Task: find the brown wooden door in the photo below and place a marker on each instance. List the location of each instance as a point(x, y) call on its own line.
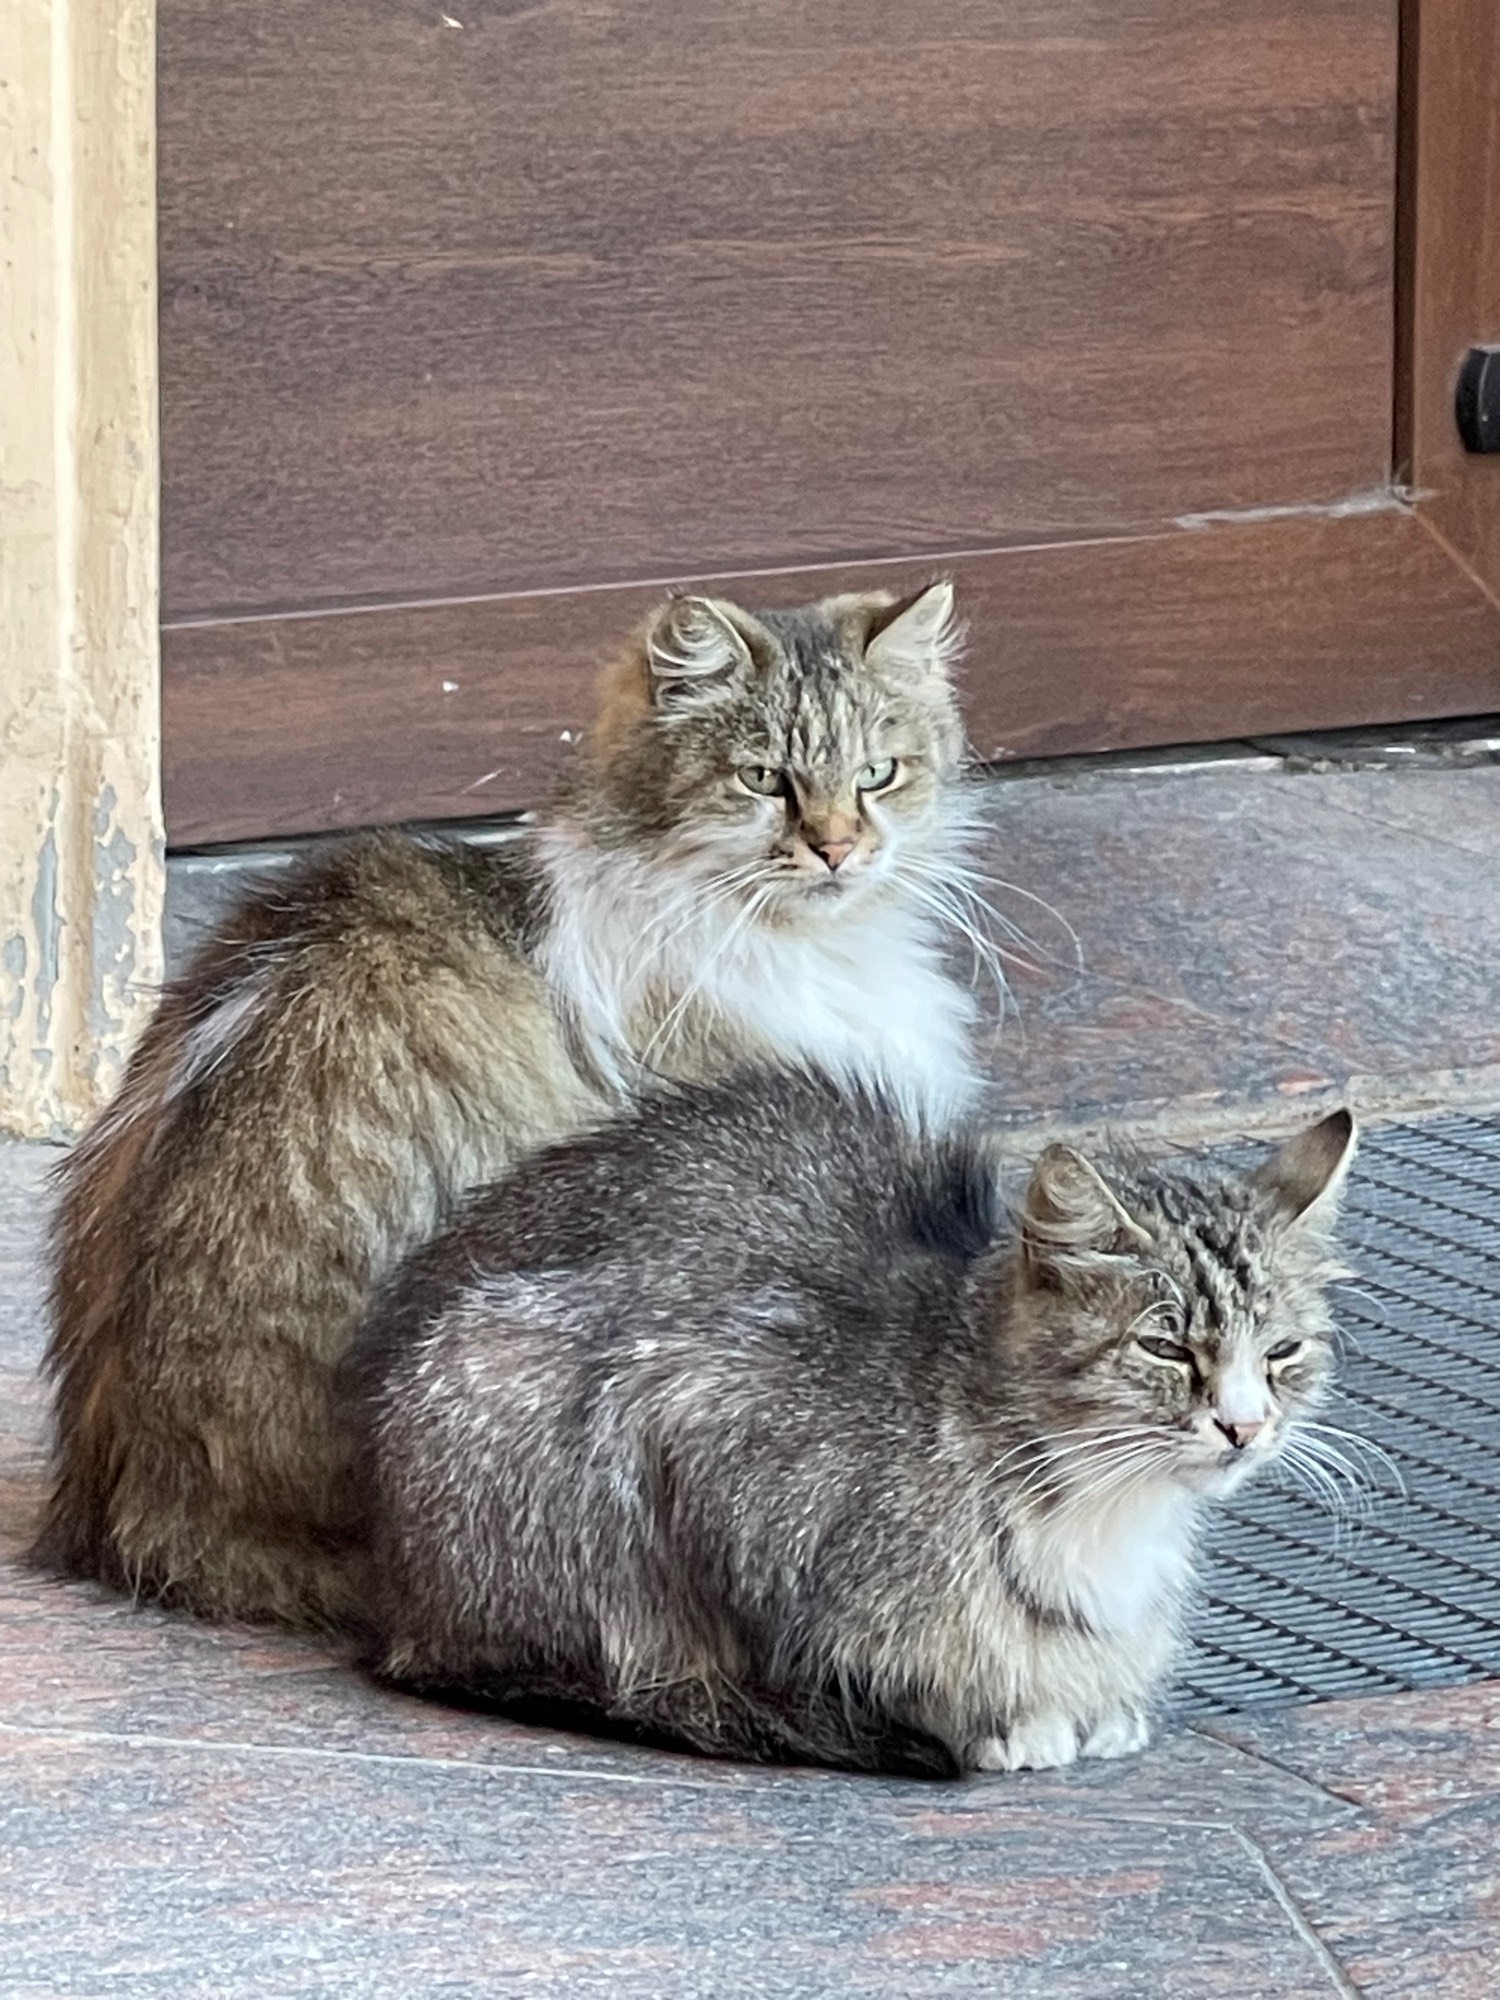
point(1452, 206)
point(482, 320)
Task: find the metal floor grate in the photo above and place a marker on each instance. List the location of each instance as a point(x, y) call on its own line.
point(1408, 1596)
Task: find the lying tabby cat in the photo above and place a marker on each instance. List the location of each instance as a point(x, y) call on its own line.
point(750, 864)
point(753, 1426)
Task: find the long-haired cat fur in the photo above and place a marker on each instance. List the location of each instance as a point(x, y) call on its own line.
point(749, 863)
point(755, 1425)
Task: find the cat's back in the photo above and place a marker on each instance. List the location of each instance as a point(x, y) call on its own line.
point(353, 1013)
point(740, 1305)
point(376, 943)
point(366, 908)
point(704, 1200)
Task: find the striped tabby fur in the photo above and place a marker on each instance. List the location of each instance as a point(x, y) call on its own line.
point(752, 1424)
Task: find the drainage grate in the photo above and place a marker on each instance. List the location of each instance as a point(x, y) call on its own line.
point(1409, 1595)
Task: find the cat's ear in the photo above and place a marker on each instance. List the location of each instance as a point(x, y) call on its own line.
point(1304, 1178)
point(918, 638)
point(693, 647)
point(1072, 1217)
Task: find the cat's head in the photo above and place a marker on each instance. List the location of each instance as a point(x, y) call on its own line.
point(787, 758)
point(1181, 1320)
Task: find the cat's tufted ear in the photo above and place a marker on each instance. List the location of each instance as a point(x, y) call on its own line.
point(1304, 1178)
point(693, 647)
point(917, 638)
point(1072, 1217)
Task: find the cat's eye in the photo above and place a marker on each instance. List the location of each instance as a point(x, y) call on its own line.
point(763, 779)
point(1284, 1350)
point(1164, 1350)
point(876, 777)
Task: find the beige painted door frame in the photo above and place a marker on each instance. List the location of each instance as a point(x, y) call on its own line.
point(81, 865)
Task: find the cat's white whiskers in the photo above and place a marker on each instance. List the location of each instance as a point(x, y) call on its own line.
point(1344, 1500)
point(1371, 1299)
point(1152, 1312)
point(1314, 1476)
point(1315, 1431)
point(694, 986)
point(1090, 1434)
point(1056, 1473)
point(1347, 1502)
point(1013, 889)
point(1321, 1453)
point(714, 893)
point(700, 896)
point(965, 875)
point(948, 884)
point(1178, 1296)
point(1352, 1487)
point(951, 879)
point(1117, 1472)
point(987, 955)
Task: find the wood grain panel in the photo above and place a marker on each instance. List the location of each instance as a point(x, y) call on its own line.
point(1455, 300)
point(497, 295)
point(441, 711)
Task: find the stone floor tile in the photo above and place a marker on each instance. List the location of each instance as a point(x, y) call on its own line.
point(227, 1873)
point(73, 1658)
point(1388, 1752)
point(1244, 936)
point(1426, 804)
point(1407, 1899)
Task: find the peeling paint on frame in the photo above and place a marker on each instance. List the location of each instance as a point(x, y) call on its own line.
point(81, 851)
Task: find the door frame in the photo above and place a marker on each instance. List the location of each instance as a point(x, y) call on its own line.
point(81, 846)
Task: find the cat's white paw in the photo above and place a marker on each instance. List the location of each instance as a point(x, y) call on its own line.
point(1040, 1743)
point(1121, 1735)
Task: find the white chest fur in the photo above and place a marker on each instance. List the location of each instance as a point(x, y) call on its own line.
point(862, 993)
point(867, 997)
point(1117, 1560)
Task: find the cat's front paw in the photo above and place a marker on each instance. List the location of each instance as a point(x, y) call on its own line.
point(1039, 1743)
point(1119, 1735)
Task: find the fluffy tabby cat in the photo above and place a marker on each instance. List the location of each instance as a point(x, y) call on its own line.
point(753, 1425)
point(751, 863)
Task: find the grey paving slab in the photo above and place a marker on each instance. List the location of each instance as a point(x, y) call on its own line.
point(187, 1872)
point(1246, 935)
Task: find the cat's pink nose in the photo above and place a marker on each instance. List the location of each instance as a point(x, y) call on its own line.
point(834, 852)
point(1240, 1435)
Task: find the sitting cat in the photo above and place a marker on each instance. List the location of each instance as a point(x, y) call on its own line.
point(749, 863)
point(751, 1424)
